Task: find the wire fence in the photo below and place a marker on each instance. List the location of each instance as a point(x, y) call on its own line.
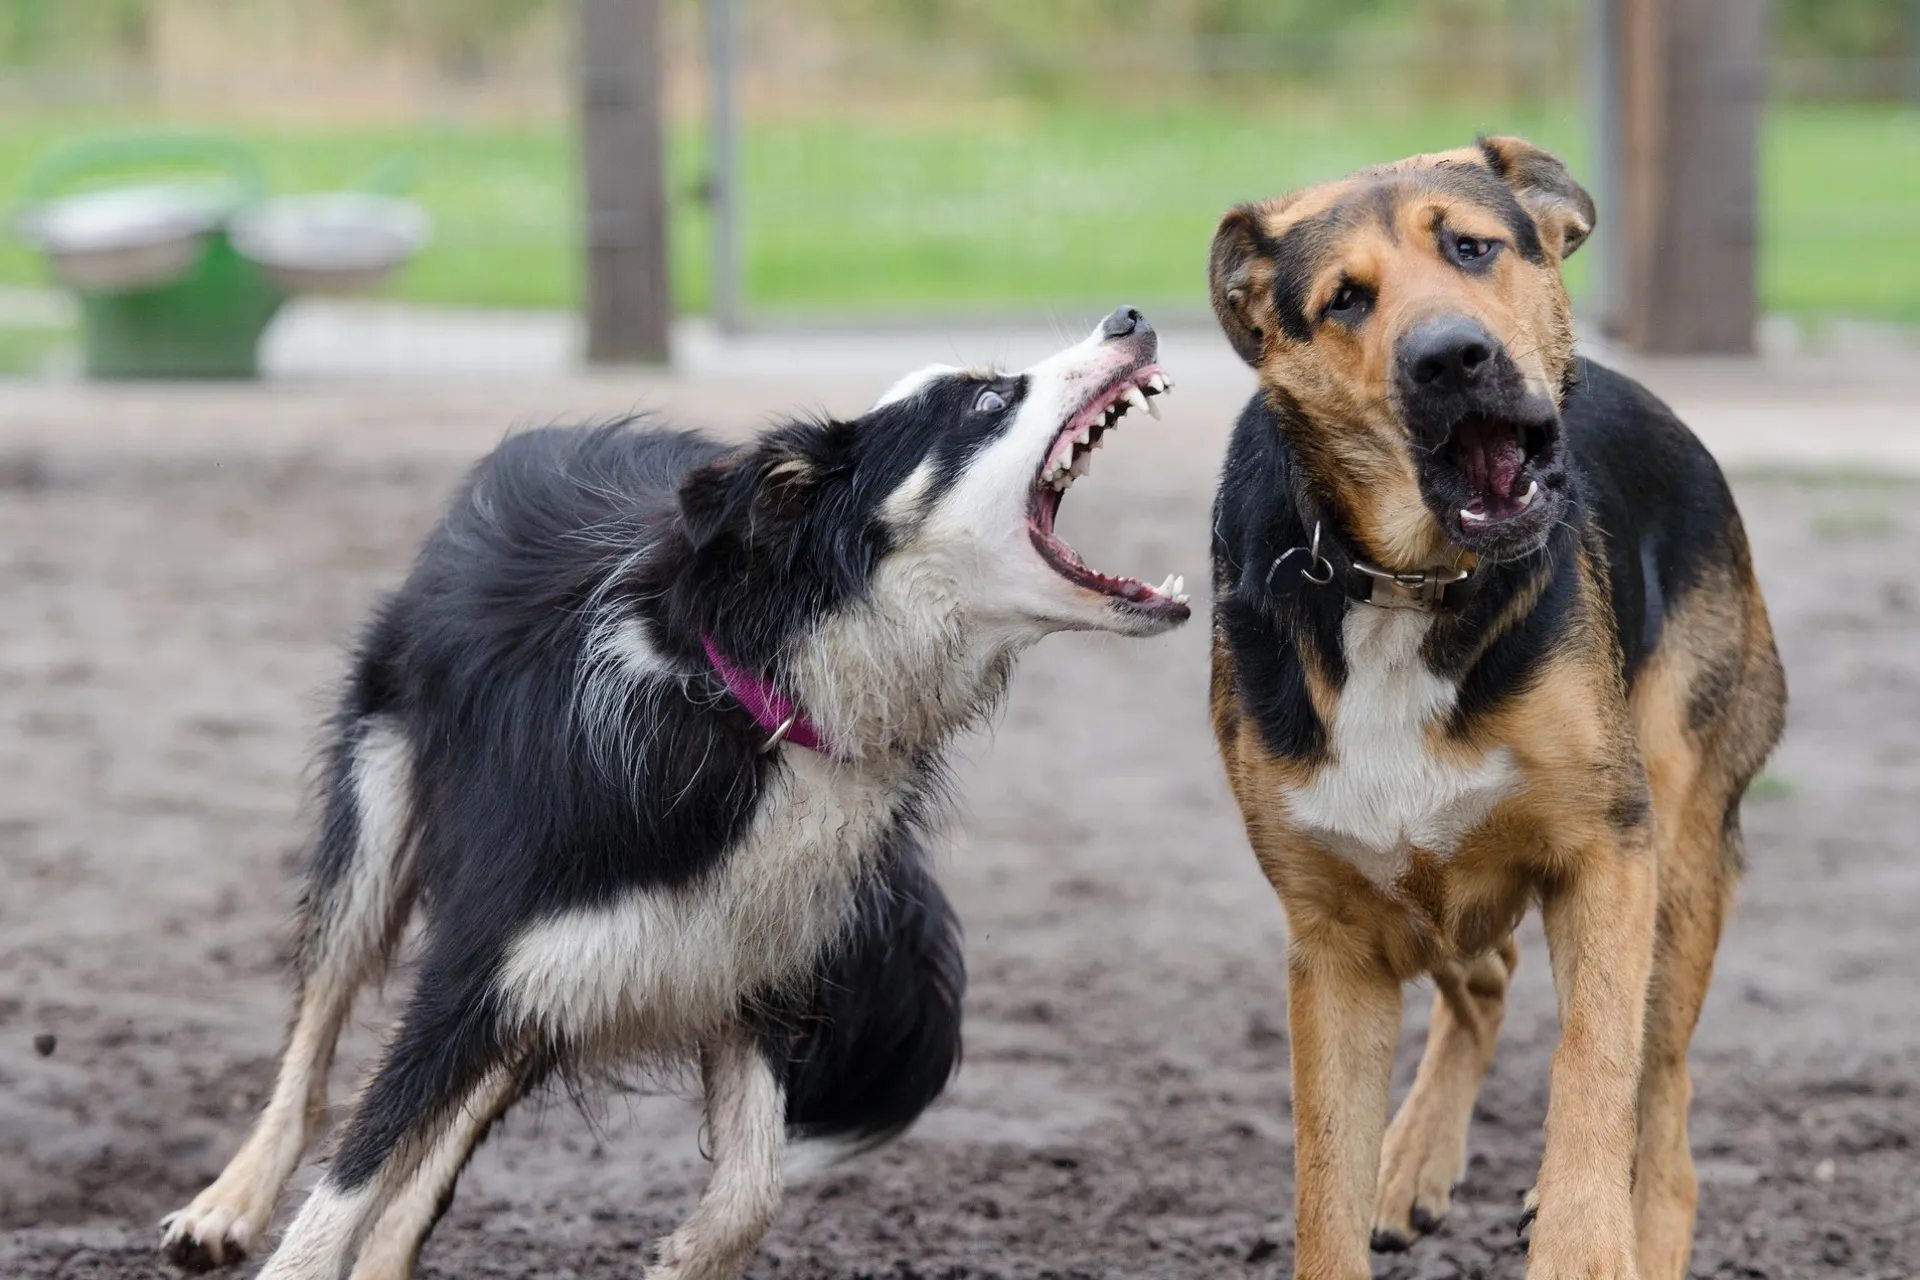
point(901, 174)
point(883, 171)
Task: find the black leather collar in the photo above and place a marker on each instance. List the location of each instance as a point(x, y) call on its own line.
point(1326, 561)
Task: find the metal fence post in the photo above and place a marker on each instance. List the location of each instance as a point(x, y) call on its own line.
point(628, 296)
point(723, 164)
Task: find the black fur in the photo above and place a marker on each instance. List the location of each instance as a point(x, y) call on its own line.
point(528, 803)
point(872, 1040)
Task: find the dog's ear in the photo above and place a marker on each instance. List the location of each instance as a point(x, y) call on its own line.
point(750, 494)
point(1560, 206)
point(1240, 281)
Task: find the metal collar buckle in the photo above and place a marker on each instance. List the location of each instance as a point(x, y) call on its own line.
point(1427, 590)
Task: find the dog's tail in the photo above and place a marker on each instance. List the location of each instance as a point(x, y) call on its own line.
point(875, 1036)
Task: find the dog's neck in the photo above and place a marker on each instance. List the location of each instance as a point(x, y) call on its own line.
point(895, 676)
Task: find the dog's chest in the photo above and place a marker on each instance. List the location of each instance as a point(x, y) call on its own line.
point(668, 963)
point(1384, 790)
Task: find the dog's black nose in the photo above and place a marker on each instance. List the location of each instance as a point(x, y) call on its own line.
point(1445, 355)
point(1124, 323)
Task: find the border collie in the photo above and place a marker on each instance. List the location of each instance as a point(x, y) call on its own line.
point(651, 736)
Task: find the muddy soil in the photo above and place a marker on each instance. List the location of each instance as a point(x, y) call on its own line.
point(169, 629)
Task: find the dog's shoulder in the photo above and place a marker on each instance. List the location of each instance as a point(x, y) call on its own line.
point(1266, 661)
point(1658, 507)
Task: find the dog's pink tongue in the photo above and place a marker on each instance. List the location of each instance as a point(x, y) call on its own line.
point(1490, 461)
point(1503, 463)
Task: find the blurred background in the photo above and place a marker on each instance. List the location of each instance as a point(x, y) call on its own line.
point(445, 218)
point(897, 160)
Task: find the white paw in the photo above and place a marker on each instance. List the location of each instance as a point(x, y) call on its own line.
point(678, 1259)
point(214, 1231)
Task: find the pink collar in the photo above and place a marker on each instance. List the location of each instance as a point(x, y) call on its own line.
point(769, 707)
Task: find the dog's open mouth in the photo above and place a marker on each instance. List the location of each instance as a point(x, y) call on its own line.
point(1069, 458)
point(1501, 461)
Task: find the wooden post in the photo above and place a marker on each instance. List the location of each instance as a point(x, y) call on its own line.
point(1686, 91)
point(628, 294)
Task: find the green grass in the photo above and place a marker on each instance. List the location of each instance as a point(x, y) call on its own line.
point(1840, 211)
point(26, 349)
point(1024, 209)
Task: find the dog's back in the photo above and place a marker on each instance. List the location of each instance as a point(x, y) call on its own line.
point(512, 749)
point(650, 733)
point(1686, 608)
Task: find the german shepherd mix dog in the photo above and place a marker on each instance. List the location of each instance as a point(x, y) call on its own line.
point(1486, 634)
point(651, 735)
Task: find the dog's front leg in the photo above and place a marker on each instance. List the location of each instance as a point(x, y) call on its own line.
point(1343, 1012)
point(747, 1124)
point(1599, 922)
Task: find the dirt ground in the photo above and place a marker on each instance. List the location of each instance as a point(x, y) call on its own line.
point(173, 613)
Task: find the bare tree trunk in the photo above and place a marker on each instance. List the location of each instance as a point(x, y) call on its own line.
point(628, 296)
point(1686, 88)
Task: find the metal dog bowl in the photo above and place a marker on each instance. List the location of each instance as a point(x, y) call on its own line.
point(127, 238)
point(332, 243)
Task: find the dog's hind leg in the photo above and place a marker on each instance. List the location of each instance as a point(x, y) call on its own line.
point(746, 1122)
point(358, 893)
point(1695, 891)
point(446, 1067)
point(394, 1247)
point(1425, 1150)
point(1701, 752)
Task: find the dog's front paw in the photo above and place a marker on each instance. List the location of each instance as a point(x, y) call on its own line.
point(1585, 1261)
point(678, 1258)
point(1580, 1248)
point(217, 1230)
point(1418, 1165)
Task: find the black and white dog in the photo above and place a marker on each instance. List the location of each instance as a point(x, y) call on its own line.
point(650, 735)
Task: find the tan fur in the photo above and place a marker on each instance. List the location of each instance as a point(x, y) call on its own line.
point(1618, 828)
point(1345, 377)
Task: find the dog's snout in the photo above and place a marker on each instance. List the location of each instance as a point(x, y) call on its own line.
point(1125, 322)
point(1445, 355)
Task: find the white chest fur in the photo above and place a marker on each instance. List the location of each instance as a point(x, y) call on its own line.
point(666, 964)
point(1383, 792)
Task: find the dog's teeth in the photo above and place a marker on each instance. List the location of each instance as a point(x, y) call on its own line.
point(1134, 398)
point(1153, 407)
point(1183, 598)
point(1533, 487)
point(1471, 517)
point(1157, 384)
point(1086, 434)
point(1081, 464)
point(1179, 584)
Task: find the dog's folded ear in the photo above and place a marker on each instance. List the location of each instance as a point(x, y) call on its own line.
point(750, 494)
point(1240, 281)
point(1560, 206)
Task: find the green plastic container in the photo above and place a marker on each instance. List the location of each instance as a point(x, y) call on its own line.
point(204, 314)
point(207, 325)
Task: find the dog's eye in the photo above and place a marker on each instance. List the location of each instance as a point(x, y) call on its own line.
point(1471, 248)
point(990, 401)
point(1349, 302)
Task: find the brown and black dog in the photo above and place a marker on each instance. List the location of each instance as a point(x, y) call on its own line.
point(1486, 634)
